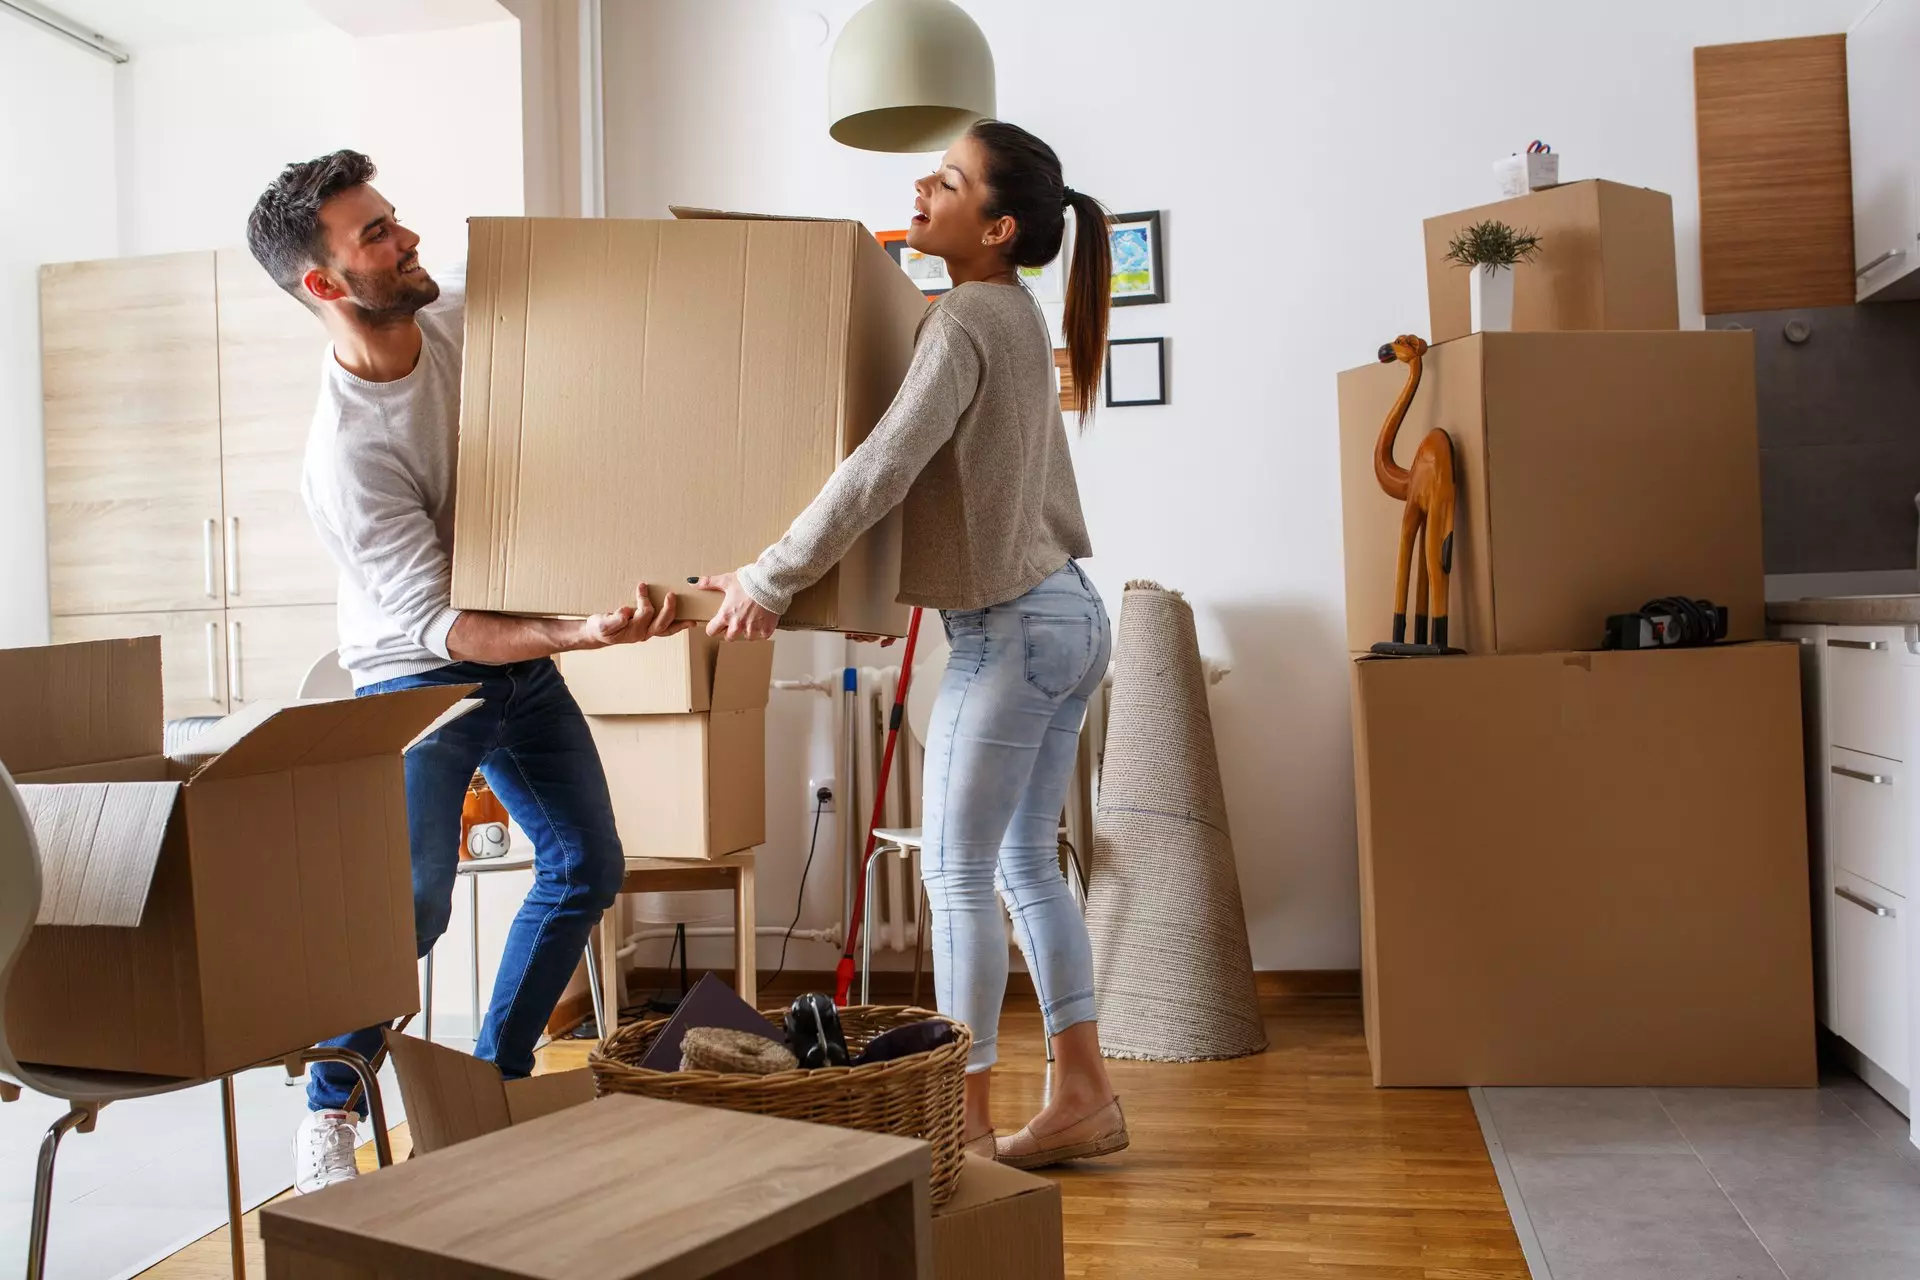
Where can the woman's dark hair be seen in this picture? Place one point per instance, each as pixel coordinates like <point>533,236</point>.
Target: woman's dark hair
<point>1024,183</point>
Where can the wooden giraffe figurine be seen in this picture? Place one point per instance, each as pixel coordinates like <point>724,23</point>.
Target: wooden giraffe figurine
<point>1428,490</point>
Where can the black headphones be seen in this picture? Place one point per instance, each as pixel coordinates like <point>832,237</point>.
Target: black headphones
<point>814,1034</point>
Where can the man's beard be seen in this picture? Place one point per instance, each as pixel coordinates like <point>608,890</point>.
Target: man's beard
<point>390,299</point>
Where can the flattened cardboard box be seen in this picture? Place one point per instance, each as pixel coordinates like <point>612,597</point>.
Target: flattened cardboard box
<point>452,1096</point>
<point>1597,471</point>
<point>648,400</point>
<point>244,898</point>
<point>672,675</point>
<point>1606,261</point>
<point>1585,869</point>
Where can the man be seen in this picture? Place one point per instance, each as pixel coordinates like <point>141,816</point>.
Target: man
<point>379,485</point>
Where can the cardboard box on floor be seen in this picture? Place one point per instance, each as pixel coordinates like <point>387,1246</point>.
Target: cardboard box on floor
<point>1585,868</point>
<point>244,898</point>
<point>1001,1222</point>
<point>648,400</point>
<point>1606,261</point>
<point>1597,471</point>
<point>692,784</point>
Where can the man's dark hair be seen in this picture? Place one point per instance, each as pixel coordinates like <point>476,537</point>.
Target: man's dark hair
<point>284,229</point>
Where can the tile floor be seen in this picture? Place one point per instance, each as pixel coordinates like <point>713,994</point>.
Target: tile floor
<point>1709,1184</point>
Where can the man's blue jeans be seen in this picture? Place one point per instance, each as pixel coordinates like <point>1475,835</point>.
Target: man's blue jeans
<point>530,740</point>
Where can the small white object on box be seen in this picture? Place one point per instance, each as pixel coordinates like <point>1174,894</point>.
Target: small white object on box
<point>1535,171</point>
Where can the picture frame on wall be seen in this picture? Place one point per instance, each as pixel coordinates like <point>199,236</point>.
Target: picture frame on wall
<point>1139,262</point>
<point>928,272</point>
<point>1136,372</point>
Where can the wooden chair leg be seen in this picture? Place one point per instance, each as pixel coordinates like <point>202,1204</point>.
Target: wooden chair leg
<point>746,982</point>
<point>612,989</point>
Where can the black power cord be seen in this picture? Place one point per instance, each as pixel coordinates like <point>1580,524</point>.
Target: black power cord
<point>820,799</point>
<point>1671,622</point>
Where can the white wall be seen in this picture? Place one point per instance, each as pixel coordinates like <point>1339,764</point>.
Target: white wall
<point>56,204</point>
<point>1295,148</point>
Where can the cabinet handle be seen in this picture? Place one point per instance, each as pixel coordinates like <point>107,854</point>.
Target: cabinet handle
<point>234,686</point>
<point>1877,779</point>
<point>213,665</point>
<point>1880,261</point>
<point>208,529</point>
<point>1841,891</point>
<point>1859,644</point>
<point>233,555</point>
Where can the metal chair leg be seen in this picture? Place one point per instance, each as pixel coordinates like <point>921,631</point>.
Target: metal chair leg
<point>594,994</point>
<point>236,1238</point>
<point>866,923</point>
<point>369,1083</point>
<point>81,1117</point>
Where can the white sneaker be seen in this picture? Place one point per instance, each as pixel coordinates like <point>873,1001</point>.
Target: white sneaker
<point>323,1153</point>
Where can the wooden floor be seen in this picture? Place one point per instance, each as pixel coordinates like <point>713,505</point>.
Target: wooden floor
<point>1290,1164</point>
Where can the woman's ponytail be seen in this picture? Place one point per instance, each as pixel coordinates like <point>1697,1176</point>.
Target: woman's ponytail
<point>1089,299</point>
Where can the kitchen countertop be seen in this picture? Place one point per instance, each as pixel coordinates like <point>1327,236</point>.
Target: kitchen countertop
<point>1849,611</point>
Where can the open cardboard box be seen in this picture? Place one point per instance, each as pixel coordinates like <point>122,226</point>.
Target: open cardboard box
<point>646,400</point>
<point>1000,1223</point>
<point>692,784</point>
<point>243,898</point>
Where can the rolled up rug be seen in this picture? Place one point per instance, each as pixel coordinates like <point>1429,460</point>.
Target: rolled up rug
<point>1173,971</point>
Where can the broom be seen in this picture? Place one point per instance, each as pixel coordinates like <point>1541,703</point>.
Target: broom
<point>843,972</point>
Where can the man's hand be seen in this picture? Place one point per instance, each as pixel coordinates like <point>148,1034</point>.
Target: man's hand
<point>630,623</point>
<point>740,618</point>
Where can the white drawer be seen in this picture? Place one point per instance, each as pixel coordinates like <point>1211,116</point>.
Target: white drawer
<point>1867,804</point>
<point>1870,970</point>
<point>1863,690</point>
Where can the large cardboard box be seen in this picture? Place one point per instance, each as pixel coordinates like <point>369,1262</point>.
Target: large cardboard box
<point>649,400</point>
<point>688,785</point>
<point>244,898</point>
<point>1606,261</point>
<point>1001,1223</point>
<point>1597,471</point>
<point>1585,868</point>
<point>673,675</point>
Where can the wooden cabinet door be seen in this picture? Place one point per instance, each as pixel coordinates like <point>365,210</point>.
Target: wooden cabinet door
<point>130,374</point>
<point>193,653</point>
<point>271,349</point>
<point>269,650</point>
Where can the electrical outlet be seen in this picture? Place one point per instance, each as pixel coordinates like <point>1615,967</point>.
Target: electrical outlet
<point>815,787</point>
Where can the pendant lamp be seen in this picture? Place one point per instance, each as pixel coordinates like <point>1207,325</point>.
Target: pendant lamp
<point>908,75</point>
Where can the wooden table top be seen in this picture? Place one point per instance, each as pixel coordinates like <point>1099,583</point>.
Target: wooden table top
<point>622,1188</point>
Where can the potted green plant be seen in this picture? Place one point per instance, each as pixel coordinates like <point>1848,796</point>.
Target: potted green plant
<point>1490,251</point>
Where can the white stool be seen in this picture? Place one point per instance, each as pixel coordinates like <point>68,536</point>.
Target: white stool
<point>471,869</point>
<point>896,840</point>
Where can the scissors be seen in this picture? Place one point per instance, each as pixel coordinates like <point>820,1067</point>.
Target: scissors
<point>1537,148</point>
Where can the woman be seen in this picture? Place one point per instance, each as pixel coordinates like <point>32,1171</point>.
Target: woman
<point>975,446</point>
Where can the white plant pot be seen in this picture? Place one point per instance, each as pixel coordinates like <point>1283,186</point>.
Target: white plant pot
<point>1491,291</point>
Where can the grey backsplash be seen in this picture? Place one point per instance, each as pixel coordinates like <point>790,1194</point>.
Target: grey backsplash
<point>1839,436</point>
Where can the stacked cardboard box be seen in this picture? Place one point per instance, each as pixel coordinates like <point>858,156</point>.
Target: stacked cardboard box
<point>681,723</point>
<point>1577,868</point>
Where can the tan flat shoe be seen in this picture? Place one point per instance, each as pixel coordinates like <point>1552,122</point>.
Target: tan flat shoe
<point>1101,1134</point>
<point>982,1145</point>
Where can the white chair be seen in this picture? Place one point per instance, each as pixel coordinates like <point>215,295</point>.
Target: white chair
<point>85,1091</point>
<point>326,678</point>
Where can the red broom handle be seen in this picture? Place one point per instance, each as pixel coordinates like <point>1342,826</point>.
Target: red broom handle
<point>843,973</point>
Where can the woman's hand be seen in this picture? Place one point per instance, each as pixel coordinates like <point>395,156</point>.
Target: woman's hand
<point>740,617</point>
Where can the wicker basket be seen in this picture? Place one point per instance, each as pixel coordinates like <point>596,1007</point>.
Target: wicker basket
<point>919,1096</point>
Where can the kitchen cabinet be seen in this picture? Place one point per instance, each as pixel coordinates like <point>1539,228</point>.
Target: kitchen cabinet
<point>131,380</point>
<point>1883,104</point>
<point>1860,711</point>
<point>179,390</point>
<point>193,653</point>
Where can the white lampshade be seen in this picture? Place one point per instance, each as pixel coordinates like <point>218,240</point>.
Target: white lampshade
<point>908,75</point>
